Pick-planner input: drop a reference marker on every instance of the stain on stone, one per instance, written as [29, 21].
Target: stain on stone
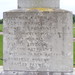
[42, 73]
[63, 53]
[59, 34]
[51, 73]
[19, 6]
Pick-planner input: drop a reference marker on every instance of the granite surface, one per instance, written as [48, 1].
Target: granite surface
[38, 41]
[38, 3]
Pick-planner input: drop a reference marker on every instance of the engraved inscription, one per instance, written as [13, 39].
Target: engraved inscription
[35, 42]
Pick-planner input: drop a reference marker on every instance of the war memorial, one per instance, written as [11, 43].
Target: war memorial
[38, 39]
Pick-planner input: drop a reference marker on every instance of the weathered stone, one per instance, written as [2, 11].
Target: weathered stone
[33, 73]
[67, 74]
[56, 73]
[38, 3]
[38, 41]
[43, 73]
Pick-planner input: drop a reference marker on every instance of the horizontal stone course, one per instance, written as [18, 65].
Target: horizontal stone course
[33, 73]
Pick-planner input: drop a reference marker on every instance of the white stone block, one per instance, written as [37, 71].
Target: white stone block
[38, 41]
[38, 3]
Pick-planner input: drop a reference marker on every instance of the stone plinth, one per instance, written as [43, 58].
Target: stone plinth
[38, 3]
[37, 41]
[33, 73]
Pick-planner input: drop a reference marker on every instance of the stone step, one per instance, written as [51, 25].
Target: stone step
[32, 73]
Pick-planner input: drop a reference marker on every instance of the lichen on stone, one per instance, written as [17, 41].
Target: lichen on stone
[41, 9]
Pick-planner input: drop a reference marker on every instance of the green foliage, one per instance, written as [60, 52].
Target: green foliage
[74, 53]
[1, 49]
[1, 21]
[74, 25]
[1, 27]
[73, 18]
[74, 32]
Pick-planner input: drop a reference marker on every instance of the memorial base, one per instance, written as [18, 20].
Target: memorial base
[39, 41]
[33, 73]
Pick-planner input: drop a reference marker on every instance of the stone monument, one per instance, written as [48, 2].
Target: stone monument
[38, 39]
[38, 3]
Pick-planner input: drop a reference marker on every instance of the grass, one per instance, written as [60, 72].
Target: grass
[74, 53]
[74, 30]
[1, 27]
[1, 49]
[74, 25]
